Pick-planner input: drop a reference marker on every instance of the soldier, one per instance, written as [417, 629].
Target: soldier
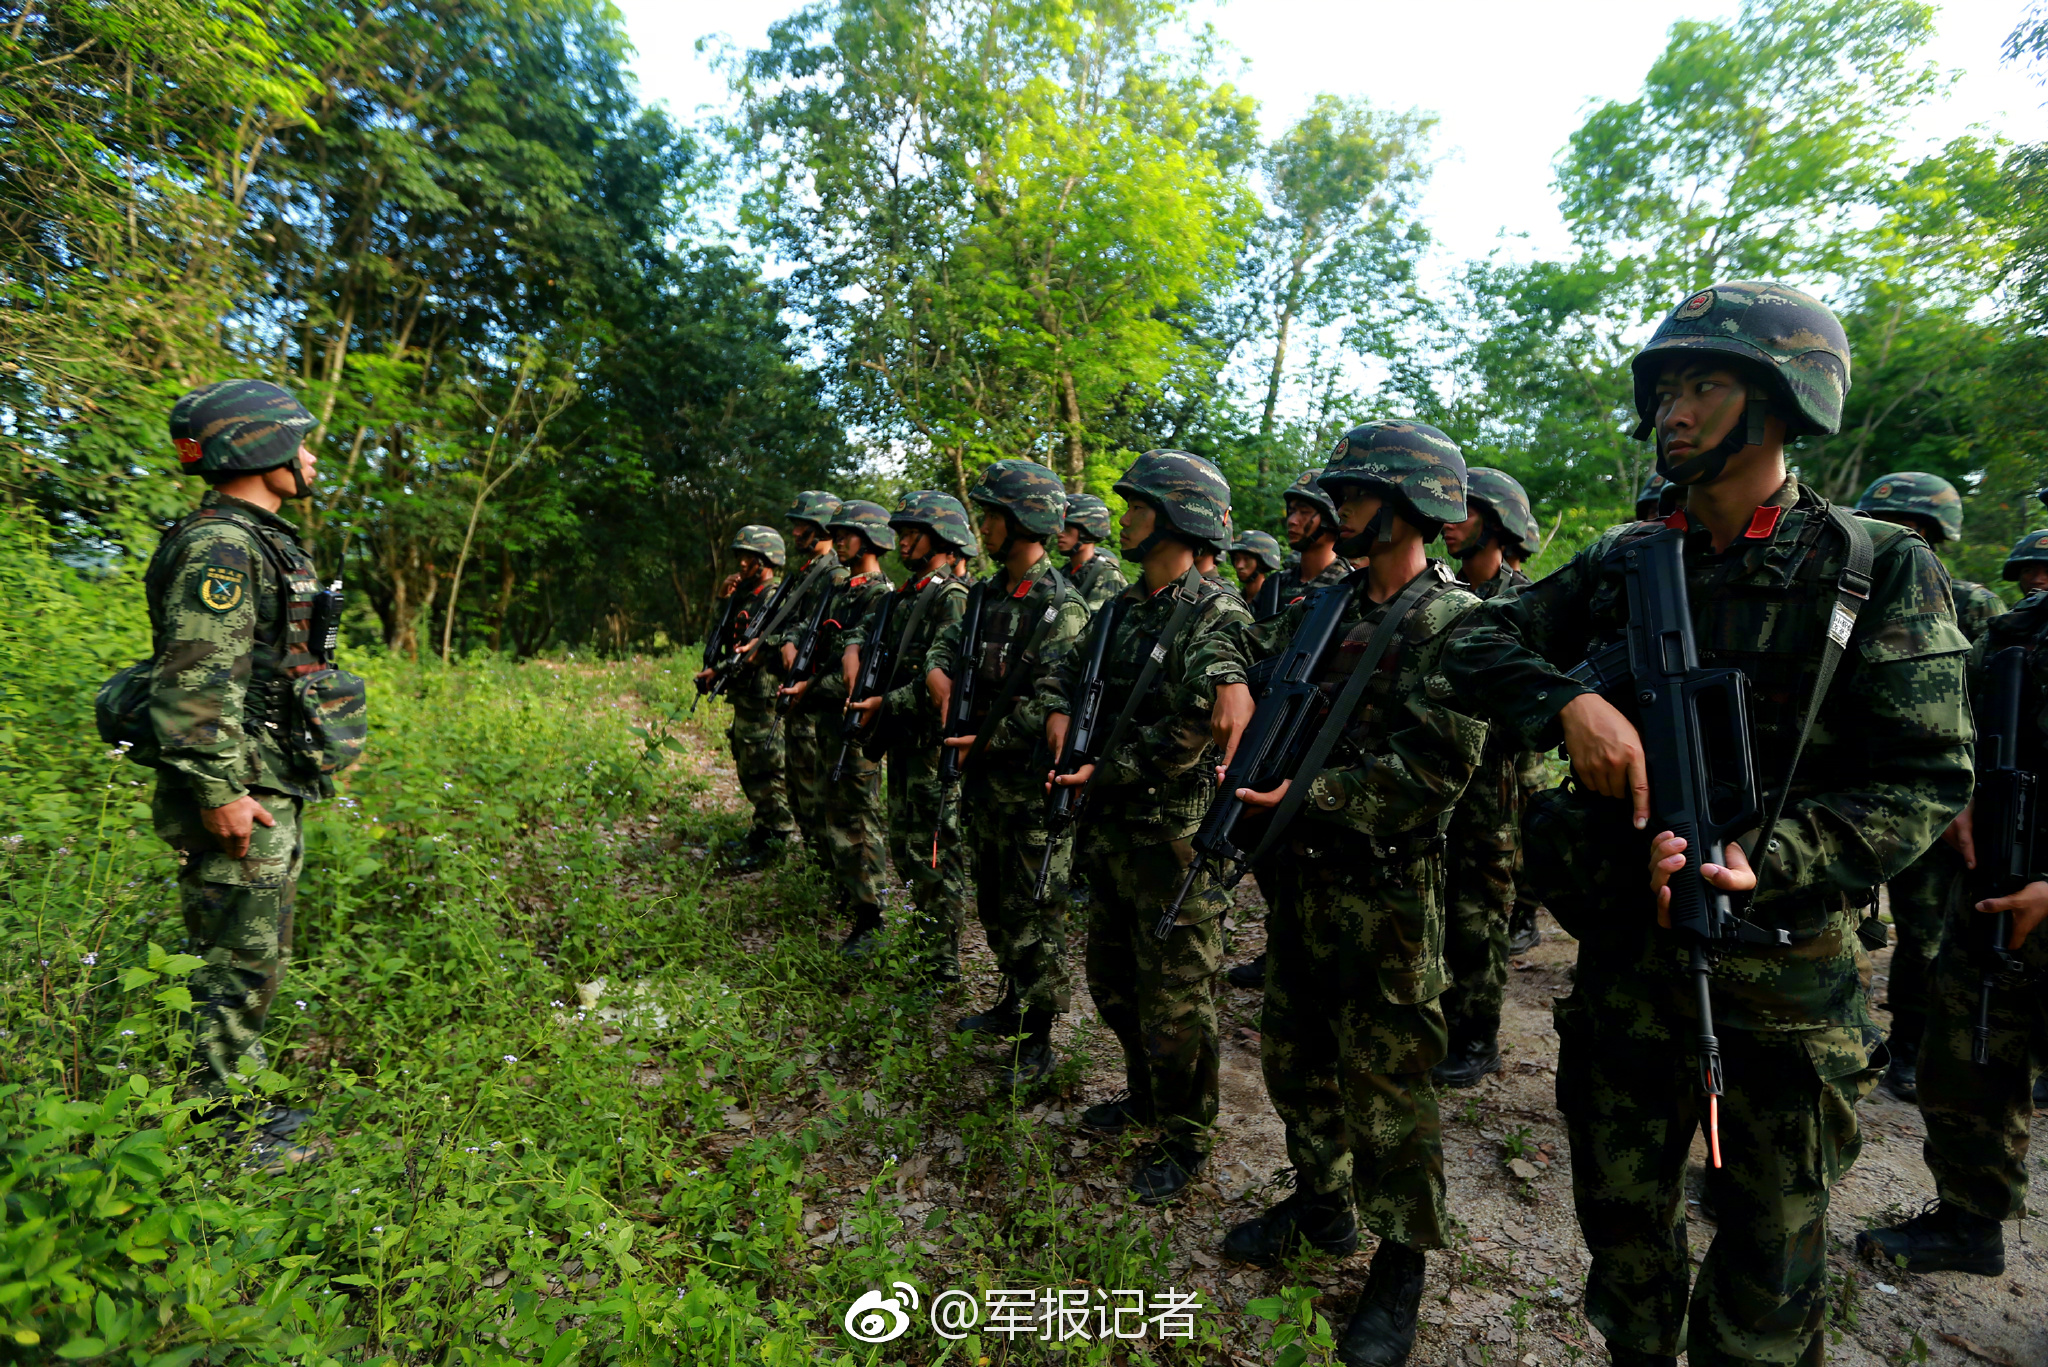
[1931, 506]
[232, 602]
[1978, 1114]
[2027, 566]
[756, 731]
[1312, 535]
[1030, 618]
[854, 803]
[802, 769]
[1095, 576]
[1173, 644]
[1776, 587]
[1255, 556]
[1486, 827]
[1351, 1025]
[935, 541]
[1655, 498]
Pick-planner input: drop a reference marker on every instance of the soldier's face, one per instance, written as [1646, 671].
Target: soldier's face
[995, 530]
[1459, 535]
[1304, 523]
[1697, 407]
[751, 566]
[2033, 578]
[1358, 508]
[914, 545]
[285, 484]
[850, 545]
[1138, 522]
[1070, 537]
[1246, 564]
[804, 534]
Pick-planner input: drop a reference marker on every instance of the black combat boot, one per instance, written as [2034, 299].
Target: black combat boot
[1941, 1238]
[1324, 1223]
[1163, 1171]
[1475, 1052]
[1034, 1057]
[867, 923]
[1000, 1019]
[1118, 1114]
[1902, 1078]
[1251, 975]
[1382, 1328]
[759, 848]
[1523, 935]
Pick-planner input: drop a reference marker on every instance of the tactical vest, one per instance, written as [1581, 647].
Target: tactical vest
[1368, 723]
[1007, 625]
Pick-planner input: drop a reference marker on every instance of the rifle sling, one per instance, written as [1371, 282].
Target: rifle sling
[926, 596]
[1341, 710]
[1188, 593]
[789, 605]
[1019, 668]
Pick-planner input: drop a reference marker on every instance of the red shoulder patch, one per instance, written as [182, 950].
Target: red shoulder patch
[1677, 522]
[1023, 587]
[1764, 522]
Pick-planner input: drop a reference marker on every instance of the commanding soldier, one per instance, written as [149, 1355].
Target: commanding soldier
[1095, 576]
[820, 572]
[1931, 506]
[934, 540]
[1030, 617]
[1777, 585]
[854, 804]
[1978, 1114]
[1173, 644]
[1351, 1025]
[756, 730]
[1486, 827]
[232, 601]
[1255, 556]
[1312, 535]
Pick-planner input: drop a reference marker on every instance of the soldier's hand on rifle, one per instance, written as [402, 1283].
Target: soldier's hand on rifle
[1606, 752]
[2029, 907]
[703, 677]
[233, 824]
[869, 708]
[796, 690]
[1075, 779]
[1961, 835]
[1228, 719]
[960, 743]
[1667, 856]
[941, 685]
[1251, 798]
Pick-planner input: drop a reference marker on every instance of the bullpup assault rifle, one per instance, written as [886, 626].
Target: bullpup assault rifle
[2003, 828]
[877, 654]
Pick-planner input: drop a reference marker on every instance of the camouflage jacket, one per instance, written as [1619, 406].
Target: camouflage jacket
[846, 625]
[792, 629]
[751, 684]
[1507, 577]
[1008, 768]
[218, 618]
[1215, 577]
[909, 706]
[1294, 589]
[1888, 764]
[1975, 607]
[1157, 784]
[1100, 580]
[1408, 752]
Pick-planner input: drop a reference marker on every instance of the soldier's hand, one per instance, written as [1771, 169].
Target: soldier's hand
[732, 581]
[1075, 779]
[703, 677]
[869, 708]
[940, 683]
[2029, 907]
[1229, 717]
[233, 824]
[795, 690]
[1962, 834]
[960, 743]
[1260, 800]
[1607, 754]
[1667, 856]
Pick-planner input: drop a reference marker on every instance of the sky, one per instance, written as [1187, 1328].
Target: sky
[1509, 80]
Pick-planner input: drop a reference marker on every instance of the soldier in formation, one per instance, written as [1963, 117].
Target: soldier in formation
[819, 574]
[1096, 577]
[756, 731]
[1256, 560]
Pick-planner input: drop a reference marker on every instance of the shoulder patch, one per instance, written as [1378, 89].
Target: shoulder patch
[222, 587]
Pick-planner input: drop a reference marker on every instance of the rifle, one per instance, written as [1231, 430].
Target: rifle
[2003, 824]
[875, 662]
[959, 719]
[1278, 737]
[1694, 724]
[806, 660]
[1266, 603]
[718, 657]
[1063, 804]
[729, 665]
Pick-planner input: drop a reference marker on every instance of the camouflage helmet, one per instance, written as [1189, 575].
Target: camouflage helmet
[1031, 494]
[1260, 545]
[1651, 493]
[2031, 549]
[240, 427]
[1189, 492]
[813, 505]
[1796, 339]
[1308, 487]
[1914, 494]
[1503, 493]
[871, 520]
[765, 542]
[941, 514]
[1418, 463]
[1090, 514]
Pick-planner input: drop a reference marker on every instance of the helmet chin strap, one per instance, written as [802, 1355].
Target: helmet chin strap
[1707, 466]
[1354, 547]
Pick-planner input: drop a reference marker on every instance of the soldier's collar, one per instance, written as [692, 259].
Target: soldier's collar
[1763, 523]
[214, 498]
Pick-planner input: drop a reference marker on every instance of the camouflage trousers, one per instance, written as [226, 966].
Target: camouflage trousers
[1349, 1031]
[1157, 996]
[856, 815]
[757, 756]
[1919, 904]
[931, 859]
[1005, 843]
[1978, 1115]
[1530, 778]
[1484, 844]
[1788, 1133]
[805, 773]
[238, 919]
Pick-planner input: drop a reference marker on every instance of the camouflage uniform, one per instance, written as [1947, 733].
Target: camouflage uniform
[805, 771]
[854, 807]
[1794, 1026]
[756, 731]
[1100, 580]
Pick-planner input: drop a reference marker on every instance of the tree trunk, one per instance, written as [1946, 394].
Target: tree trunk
[1077, 455]
[505, 582]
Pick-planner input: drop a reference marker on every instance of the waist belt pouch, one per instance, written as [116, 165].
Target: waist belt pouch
[121, 712]
[333, 716]
[1581, 855]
